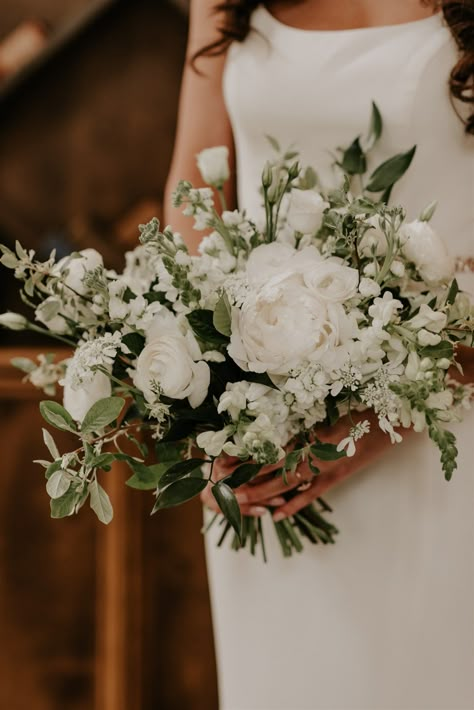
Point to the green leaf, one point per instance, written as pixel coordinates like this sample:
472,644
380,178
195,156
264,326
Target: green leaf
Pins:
326,452
179,492
453,292
23,364
274,143
202,323
389,172
309,180
102,460
58,484
52,468
444,349
134,342
261,378
227,502
243,474
57,416
147,481
353,160
167,453
64,506
375,127
179,470
100,502
50,444
222,316
292,460
101,414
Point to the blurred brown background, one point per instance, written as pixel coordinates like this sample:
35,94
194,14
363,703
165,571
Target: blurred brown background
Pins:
91,618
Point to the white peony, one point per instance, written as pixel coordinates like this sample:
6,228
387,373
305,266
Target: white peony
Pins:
282,324
213,164
425,248
306,210
171,363
78,400
74,268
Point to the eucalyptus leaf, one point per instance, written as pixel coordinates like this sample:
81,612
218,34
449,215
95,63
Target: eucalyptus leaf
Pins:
100,502
222,316
389,172
50,444
179,492
58,484
57,416
101,414
227,502
64,506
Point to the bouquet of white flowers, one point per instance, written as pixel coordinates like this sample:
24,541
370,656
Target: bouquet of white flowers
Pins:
336,304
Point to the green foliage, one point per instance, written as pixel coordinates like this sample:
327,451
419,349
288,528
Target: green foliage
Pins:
179,492
444,349
58,484
202,323
134,342
222,316
101,414
446,443
353,160
452,293
180,470
389,172
57,416
326,452
227,502
100,502
243,474
65,505
147,478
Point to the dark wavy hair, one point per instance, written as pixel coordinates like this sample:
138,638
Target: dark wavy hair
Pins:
458,15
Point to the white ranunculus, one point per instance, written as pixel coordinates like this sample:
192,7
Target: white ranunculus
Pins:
282,324
330,281
213,164
13,321
75,268
425,248
427,318
306,210
172,361
78,400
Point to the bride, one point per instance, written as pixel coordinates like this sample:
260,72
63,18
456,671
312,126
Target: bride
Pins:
383,620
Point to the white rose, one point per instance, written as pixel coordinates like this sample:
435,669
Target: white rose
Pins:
281,325
75,268
79,401
172,361
374,240
422,246
427,318
213,164
369,288
306,211
426,338
13,321
330,281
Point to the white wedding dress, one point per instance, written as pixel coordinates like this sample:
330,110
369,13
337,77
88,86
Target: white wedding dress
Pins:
384,619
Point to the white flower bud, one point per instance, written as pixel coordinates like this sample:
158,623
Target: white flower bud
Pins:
306,210
443,363
368,288
13,321
213,164
397,268
370,269
426,363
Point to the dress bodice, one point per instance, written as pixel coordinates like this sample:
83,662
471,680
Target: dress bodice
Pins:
313,90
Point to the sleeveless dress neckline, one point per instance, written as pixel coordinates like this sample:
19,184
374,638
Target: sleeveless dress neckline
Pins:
263,14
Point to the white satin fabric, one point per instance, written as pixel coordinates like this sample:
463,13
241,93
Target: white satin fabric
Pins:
384,619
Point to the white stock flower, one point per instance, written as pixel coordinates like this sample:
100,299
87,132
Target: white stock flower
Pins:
427,318
425,248
74,268
213,164
384,310
305,213
440,400
13,321
212,442
426,338
171,363
369,288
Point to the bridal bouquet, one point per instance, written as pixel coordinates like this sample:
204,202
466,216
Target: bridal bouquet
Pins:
334,304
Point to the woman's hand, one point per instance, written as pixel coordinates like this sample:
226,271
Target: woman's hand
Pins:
267,489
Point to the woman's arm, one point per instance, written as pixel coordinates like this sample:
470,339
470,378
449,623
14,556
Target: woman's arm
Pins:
202,118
